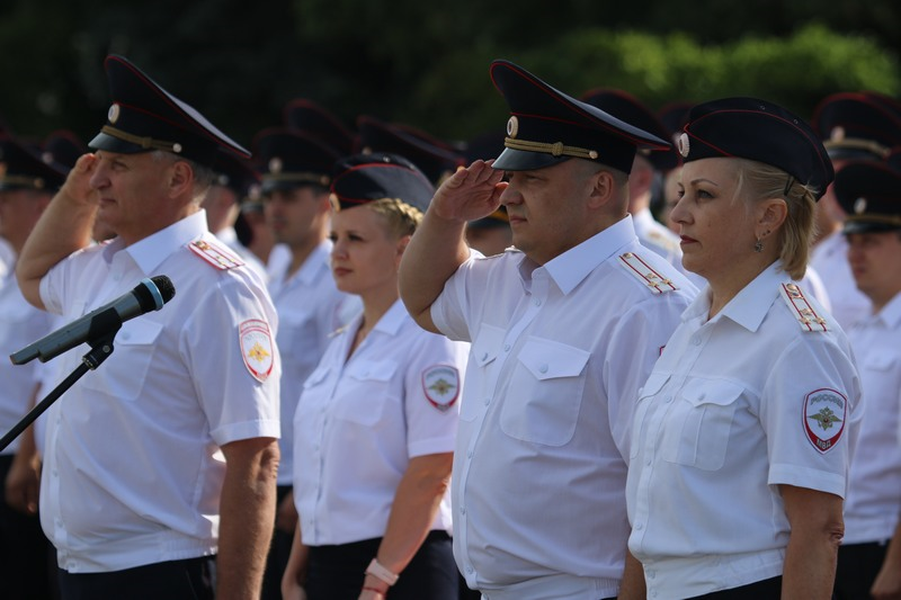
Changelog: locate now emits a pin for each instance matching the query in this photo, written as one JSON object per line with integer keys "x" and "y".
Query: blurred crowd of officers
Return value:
{"x": 398, "y": 366}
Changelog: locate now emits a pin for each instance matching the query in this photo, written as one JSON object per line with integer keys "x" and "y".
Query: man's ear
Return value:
{"x": 181, "y": 177}
{"x": 603, "y": 188}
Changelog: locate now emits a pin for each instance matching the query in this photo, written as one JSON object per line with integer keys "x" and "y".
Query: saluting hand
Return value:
{"x": 470, "y": 193}
{"x": 78, "y": 184}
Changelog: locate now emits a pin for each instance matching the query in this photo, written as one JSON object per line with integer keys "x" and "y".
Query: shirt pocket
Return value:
{"x": 698, "y": 428}
{"x": 879, "y": 362}
{"x": 127, "y": 368}
{"x": 365, "y": 393}
{"x": 483, "y": 353}
{"x": 542, "y": 402}
{"x": 650, "y": 389}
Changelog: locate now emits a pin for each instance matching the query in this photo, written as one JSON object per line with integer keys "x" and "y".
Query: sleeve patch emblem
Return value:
{"x": 441, "y": 385}
{"x": 824, "y": 418}
{"x": 256, "y": 348}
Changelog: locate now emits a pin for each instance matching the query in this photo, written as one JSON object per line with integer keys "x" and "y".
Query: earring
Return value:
{"x": 758, "y": 247}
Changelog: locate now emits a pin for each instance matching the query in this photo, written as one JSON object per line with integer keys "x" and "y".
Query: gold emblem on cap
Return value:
{"x": 113, "y": 114}
{"x": 683, "y": 145}
{"x": 512, "y": 126}
{"x": 275, "y": 165}
{"x": 860, "y": 206}
{"x": 837, "y": 134}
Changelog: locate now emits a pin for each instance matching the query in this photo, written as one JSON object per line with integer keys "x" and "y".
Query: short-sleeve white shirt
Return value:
{"x": 20, "y": 325}
{"x": 830, "y": 260}
{"x": 133, "y": 469}
{"x": 873, "y": 503}
{"x": 310, "y": 308}
{"x": 361, "y": 419}
{"x": 735, "y": 406}
{"x": 558, "y": 354}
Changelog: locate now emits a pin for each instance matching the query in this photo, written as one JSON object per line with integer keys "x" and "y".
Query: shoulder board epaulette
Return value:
{"x": 801, "y": 308}
{"x": 663, "y": 241}
{"x": 657, "y": 283}
{"x": 215, "y": 255}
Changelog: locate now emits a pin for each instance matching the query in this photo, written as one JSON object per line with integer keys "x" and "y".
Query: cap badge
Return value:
{"x": 47, "y": 157}
{"x": 860, "y": 206}
{"x": 837, "y": 134}
{"x": 176, "y": 147}
{"x": 275, "y": 165}
{"x": 113, "y": 114}
{"x": 512, "y": 126}
{"x": 683, "y": 145}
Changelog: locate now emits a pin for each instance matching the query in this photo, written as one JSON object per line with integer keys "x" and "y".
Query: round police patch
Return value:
{"x": 824, "y": 414}
{"x": 256, "y": 348}
{"x": 441, "y": 385}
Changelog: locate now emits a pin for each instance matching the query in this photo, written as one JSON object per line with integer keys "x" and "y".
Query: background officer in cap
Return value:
{"x": 235, "y": 179}
{"x": 869, "y": 559}
{"x": 27, "y": 184}
{"x": 564, "y": 329}
{"x": 853, "y": 126}
{"x": 376, "y": 422}
{"x": 295, "y": 189}
{"x": 744, "y": 430}
{"x": 163, "y": 460}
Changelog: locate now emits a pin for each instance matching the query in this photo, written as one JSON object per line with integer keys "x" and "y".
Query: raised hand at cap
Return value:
{"x": 470, "y": 193}
{"x": 78, "y": 183}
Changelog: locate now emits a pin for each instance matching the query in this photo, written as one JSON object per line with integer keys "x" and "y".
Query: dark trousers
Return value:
{"x": 279, "y": 552}
{"x": 768, "y": 589}
{"x": 336, "y": 572}
{"x": 858, "y": 566}
{"x": 189, "y": 579}
{"x": 25, "y": 554}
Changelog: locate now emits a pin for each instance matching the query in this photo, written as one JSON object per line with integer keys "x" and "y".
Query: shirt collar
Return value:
{"x": 891, "y": 312}
{"x": 570, "y": 268}
{"x": 150, "y": 252}
{"x": 391, "y": 321}
{"x": 315, "y": 264}
{"x": 752, "y": 303}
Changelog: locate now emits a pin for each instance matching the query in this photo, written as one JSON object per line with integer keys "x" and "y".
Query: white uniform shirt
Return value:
{"x": 558, "y": 354}
{"x": 830, "y": 260}
{"x": 310, "y": 308}
{"x": 7, "y": 258}
{"x": 360, "y": 421}
{"x": 20, "y": 325}
{"x": 731, "y": 410}
{"x": 132, "y": 467}
{"x": 874, "y": 493}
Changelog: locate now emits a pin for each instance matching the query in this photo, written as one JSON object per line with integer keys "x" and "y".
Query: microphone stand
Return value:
{"x": 101, "y": 348}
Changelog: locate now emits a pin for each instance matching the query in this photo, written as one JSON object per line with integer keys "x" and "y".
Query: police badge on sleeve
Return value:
{"x": 824, "y": 418}
{"x": 441, "y": 385}
{"x": 256, "y": 348}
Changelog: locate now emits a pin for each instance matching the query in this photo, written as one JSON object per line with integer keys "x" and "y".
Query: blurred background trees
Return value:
{"x": 426, "y": 63}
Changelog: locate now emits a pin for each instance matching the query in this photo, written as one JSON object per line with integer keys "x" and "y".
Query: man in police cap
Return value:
{"x": 27, "y": 183}
{"x": 564, "y": 331}
{"x": 163, "y": 461}
{"x": 869, "y": 559}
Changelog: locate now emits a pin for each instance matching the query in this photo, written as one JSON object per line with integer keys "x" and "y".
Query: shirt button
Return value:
{"x": 542, "y": 369}
{"x": 469, "y": 568}
{"x": 487, "y": 401}
{"x": 668, "y": 399}
{"x": 696, "y": 340}
{"x": 506, "y": 347}
{"x": 462, "y": 510}
{"x": 484, "y": 356}
{"x": 126, "y": 335}
{"x": 537, "y": 302}
{"x": 639, "y": 526}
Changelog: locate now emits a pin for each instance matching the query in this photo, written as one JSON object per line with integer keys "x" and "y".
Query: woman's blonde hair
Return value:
{"x": 401, "y": 218}
{"x": 796, "y": 234}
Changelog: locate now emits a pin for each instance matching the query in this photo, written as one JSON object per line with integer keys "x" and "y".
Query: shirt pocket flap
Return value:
{"x": 880, "y": 362}
{"x": 711, "y": 391}
{"x": 487, "y": 344}
{"x": 316, "y": 377}
{"x": 373, "y": 370}
{"x": 140, "y": 332}
{"x": 653, "y": 385}
{"x": 549, "y": 360}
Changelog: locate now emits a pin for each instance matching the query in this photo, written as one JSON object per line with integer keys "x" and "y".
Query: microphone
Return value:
{"x": 150, "y": 294}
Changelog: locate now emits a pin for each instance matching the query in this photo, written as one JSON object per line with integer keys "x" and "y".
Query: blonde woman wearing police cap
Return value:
{"x": 376, "y": 421}
{"x": 743, "y": 432}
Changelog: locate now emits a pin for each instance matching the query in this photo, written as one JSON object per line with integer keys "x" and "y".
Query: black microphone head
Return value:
{"x": 164, "y": 285}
